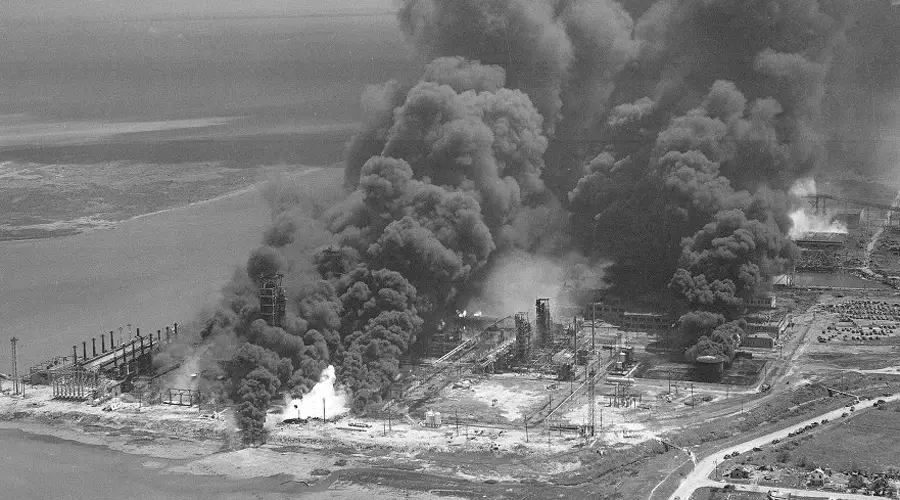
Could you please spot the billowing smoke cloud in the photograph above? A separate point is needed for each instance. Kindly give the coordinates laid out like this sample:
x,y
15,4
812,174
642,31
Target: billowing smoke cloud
x,y
805,220
515,279
661,137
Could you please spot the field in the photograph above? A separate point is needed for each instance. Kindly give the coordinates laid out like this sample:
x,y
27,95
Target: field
x,y
718,494
866,442
500,399
860,447
861,333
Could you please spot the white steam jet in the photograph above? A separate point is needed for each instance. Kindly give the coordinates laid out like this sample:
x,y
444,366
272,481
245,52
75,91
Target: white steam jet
x,y
323,400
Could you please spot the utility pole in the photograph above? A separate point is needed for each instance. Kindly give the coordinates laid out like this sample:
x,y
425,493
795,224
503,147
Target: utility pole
x,y
670,380
323,411
593,403
593,320
692,395
15,365
524,419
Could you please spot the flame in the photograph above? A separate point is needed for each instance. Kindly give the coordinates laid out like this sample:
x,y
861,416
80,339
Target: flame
x,y
323,396
477,314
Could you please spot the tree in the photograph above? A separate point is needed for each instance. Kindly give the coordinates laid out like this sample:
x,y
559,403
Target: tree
x,y
856,482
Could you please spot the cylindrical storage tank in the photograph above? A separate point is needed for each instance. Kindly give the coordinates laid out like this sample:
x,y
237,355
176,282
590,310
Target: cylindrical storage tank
x,y
710,368
629,356
620,366
437,419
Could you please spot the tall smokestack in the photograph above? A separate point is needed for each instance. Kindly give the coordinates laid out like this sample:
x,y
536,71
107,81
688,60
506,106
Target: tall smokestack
x,y
94,347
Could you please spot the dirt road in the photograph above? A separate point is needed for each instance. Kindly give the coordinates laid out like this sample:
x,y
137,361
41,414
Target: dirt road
x,y
699,477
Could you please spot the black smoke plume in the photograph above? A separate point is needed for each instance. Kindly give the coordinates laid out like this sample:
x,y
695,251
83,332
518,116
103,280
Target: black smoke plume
x,y
662,137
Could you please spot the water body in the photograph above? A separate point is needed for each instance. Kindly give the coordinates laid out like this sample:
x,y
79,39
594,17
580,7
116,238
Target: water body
x,y
35,467
129,86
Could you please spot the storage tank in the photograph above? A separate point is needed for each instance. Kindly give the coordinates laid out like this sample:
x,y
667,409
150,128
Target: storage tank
x,y
432,419
710,368
629,356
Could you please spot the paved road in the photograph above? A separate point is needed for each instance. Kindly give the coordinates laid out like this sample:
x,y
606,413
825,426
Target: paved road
x,y
699,476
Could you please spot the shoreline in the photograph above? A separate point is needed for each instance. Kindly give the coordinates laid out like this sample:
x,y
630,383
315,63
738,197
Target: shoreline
x,y
62,230
177,446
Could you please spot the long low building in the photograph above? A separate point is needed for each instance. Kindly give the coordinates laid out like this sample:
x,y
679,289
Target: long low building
x,y
772,327
616,312
645,321
759,340
822,241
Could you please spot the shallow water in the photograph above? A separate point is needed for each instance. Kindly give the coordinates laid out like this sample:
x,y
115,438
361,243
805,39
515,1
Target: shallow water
x,y
41,467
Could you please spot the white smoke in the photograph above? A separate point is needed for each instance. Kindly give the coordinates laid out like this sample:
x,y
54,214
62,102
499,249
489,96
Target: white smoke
x,y
186,375
324,398
806,221
517,279
804,187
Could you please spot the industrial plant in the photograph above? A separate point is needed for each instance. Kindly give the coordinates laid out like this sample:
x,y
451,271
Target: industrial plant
x,y
631,250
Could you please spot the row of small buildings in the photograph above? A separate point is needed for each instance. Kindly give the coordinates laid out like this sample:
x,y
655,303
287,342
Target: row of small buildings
x,y
762,329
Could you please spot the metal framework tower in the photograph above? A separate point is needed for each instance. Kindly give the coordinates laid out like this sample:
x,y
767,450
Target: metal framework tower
x,y
542,320
523,336
272,299
15,365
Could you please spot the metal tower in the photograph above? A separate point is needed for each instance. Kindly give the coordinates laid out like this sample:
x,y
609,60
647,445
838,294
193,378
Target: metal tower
x,y
15,365
542,321
523,337
592,403
272,299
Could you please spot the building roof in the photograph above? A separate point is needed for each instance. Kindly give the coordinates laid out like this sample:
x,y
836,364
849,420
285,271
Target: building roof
x,y
644,315
760,336
709,359
814,237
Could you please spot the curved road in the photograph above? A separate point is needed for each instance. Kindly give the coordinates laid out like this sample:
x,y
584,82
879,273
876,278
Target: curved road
x,y
699,477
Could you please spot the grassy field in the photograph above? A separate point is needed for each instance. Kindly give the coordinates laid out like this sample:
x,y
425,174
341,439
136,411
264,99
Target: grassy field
x,y
866,442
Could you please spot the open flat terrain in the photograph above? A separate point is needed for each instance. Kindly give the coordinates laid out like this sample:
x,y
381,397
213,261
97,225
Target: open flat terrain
x,y
148,272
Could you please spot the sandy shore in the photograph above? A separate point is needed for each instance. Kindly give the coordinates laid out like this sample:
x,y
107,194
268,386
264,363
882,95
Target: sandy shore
x,y
149,271
162,444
